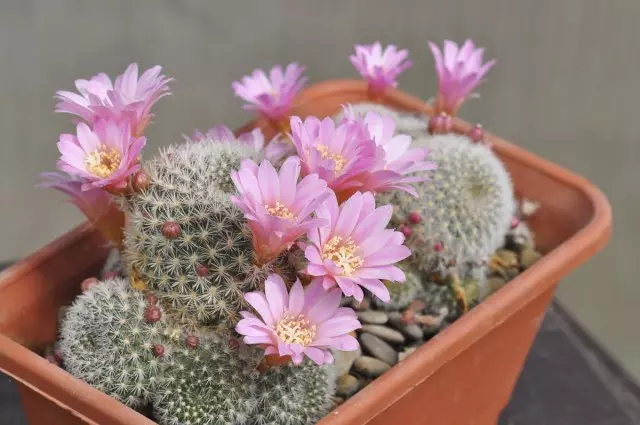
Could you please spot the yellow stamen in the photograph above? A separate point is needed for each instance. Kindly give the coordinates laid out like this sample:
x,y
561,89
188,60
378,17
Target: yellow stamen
x,y
342,252
281,211
296,330
338,160
104,161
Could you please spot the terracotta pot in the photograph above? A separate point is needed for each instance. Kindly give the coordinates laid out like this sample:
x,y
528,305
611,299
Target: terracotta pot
x,y
464,375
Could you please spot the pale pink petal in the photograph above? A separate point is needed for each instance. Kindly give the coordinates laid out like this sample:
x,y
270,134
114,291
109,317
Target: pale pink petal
x,y
259,302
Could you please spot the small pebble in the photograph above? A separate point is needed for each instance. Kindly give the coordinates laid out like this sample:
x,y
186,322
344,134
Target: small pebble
x,y
407,351
347,385
412,331
370,366
495,283
378,348
512,272
343,360
373,317
510,258
529,257
385,333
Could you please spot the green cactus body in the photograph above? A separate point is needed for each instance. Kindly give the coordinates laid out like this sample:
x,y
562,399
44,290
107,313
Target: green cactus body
x,y
401,294
185,238
294,395
108,341
207,383
465,209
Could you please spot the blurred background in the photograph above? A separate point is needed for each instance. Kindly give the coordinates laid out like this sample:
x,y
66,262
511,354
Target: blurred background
x,y
565,87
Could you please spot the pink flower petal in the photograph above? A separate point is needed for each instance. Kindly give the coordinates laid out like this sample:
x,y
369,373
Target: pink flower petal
x,y
259,302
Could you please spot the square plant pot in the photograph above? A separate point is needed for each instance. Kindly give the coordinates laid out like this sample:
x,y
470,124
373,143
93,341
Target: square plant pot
x,y
464,375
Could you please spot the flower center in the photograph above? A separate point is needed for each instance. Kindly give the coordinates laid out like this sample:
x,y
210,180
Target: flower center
x,y
103,161
338,159
281,211
296,330
342,252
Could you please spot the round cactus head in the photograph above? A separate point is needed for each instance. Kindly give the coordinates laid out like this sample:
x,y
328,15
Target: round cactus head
x,y
186,240
206,383
293,395
465,208
108,340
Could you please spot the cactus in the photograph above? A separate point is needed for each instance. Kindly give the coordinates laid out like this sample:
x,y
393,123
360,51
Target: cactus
x,y
294,395
463,212
402,294
186,241
109,338
203,165
205,382
415,125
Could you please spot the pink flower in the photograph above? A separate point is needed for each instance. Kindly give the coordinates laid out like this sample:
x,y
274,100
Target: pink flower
x,y
96,204
395,162
92,202
129,99
355,250
460,71
222,133
378,67
102,157
304,322
338,154
271,95
277,206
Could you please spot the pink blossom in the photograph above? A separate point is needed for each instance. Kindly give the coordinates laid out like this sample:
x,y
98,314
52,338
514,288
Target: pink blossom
x,y
304,322
277,206
222,133
128,99
379,67
101,157
395,162
92,202
96,203
460,71
338,154
271,95
355,250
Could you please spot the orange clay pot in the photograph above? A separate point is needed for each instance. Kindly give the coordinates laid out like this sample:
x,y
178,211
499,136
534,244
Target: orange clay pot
x,y
462,376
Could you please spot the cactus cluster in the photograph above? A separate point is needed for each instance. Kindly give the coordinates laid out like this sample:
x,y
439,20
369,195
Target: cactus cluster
x,y
186,240
464,210
205,228
108,338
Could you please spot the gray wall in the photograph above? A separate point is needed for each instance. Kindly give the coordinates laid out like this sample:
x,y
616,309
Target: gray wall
x,y
565,87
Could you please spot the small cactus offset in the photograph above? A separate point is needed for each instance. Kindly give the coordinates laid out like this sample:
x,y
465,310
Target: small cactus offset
x,y
205,382
109,339
186,240
293,395
464,211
